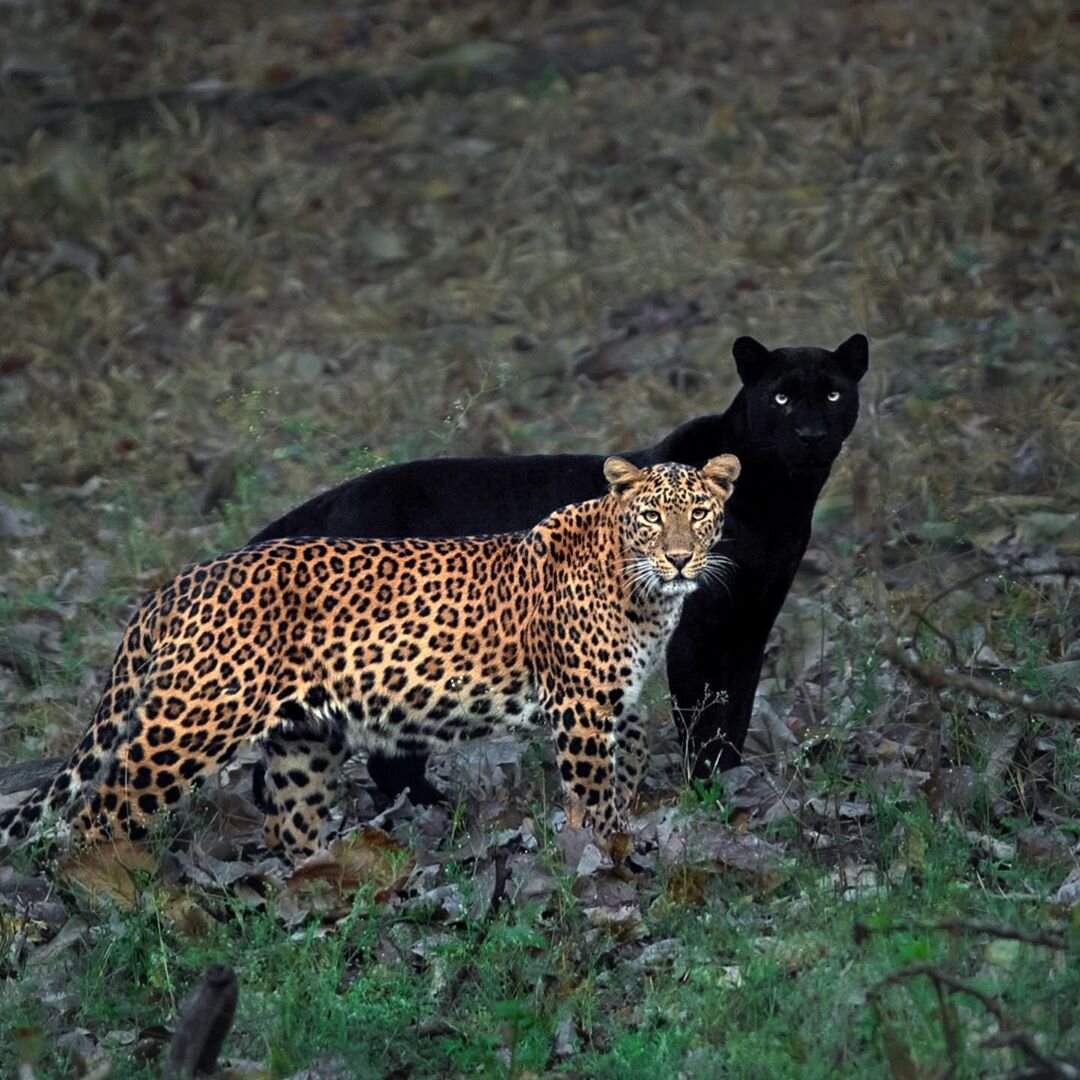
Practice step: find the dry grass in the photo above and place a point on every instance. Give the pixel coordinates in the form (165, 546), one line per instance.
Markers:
(202, 323)
(318, 296)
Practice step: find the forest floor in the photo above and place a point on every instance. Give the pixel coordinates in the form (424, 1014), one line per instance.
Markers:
(209, 313)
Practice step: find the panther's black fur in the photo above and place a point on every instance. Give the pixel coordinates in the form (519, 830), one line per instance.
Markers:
(785, 430)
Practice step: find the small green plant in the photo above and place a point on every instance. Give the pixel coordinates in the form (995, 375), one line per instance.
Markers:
(710, 794)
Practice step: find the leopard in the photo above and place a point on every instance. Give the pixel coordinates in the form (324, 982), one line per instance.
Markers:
(315, 649)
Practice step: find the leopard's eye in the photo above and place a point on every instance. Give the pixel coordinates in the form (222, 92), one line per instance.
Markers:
(651, 516)
(781, 399)
(833, 395)
(699, 513)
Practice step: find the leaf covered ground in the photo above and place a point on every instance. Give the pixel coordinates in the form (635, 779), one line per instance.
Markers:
(204, 320)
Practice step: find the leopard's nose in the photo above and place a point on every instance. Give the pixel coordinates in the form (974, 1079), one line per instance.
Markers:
(678, 559)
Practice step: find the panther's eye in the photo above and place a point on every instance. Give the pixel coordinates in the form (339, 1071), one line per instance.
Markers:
(651, 516)
(699, 513)
(781, 399)
(833, 395)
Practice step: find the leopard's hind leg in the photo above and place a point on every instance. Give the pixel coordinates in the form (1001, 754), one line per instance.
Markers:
(154, 769)
(122, 774)
(172, 736)
(303, 759)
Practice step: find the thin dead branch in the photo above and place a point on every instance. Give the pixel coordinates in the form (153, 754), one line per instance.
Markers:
(936, 678)
(347, 94)
(929, 675)
(1007, 1035)
(1065, 567)
(963, 926)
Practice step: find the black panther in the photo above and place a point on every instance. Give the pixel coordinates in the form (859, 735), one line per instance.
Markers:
(786, 425)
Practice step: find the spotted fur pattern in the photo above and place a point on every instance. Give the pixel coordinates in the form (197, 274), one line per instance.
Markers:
(316, 648)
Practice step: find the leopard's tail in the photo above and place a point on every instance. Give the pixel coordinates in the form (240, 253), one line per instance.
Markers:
(25, 822)
(47, 811)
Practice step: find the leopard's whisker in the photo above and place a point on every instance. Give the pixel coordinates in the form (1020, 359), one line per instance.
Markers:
(720, 560)
(718, 571)
(640, 572)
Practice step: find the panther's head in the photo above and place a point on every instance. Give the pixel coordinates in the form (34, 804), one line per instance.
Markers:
(669, 517)
(801, 402)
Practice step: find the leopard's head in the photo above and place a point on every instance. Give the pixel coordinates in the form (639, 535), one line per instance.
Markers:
(669, 517)
(801, 403)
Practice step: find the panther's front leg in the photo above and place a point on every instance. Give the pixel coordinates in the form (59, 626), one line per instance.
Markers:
(584, 748)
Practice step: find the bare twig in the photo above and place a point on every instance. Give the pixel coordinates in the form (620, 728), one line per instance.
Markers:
(948, 1028)
(502, 876)
(1007, 1034)
(205, 1019)
(938, 678)
(1054, 1067)
(346, 93)
(933, 677)
(938, 633)
(963, 926)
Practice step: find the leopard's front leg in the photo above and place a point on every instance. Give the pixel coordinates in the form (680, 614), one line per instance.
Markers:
(631, 749)
(584, 748)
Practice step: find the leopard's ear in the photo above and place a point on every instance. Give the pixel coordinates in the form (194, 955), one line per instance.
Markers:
(722, 472)
(621, 475)
(752, 360)
(853, 357)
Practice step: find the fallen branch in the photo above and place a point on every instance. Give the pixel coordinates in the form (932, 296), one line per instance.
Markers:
(28, 775)
(347, 94)
(205, 1019)
(1044, 568)
(938, 679)
(962, 926)
(935, 678)
(1007, 1035)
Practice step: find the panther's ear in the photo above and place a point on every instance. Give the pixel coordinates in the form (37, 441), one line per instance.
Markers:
(853, 357)
(752, 360)
(722, 472)
(621, 475)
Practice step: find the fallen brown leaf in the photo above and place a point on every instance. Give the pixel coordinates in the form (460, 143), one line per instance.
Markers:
(326, 882)
(111, 871)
